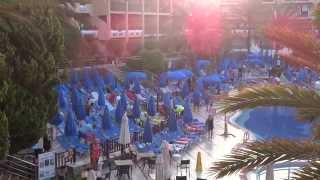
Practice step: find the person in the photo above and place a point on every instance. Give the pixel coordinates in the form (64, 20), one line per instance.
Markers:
(210, 126)
(46, 143)
(92, 175)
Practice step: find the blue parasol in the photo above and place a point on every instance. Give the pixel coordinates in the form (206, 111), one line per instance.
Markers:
(166, 100)
(123, 101)
(213, 79)
(196, 97)
(162, 80)
(119, 112)
(186, 72)
(199, 85)
(187, 114)
(131, 76)
(136, 109)
(172, 122)
(147, 133)
(101, 97)
(151, 106)
(185, 89)
(176, 75)
(80, 106)
(110, 80)
(57, 119)
(70, 125)
(62, 101)
(74, 98)
(137, 88)
(106, 119)
(87, 80)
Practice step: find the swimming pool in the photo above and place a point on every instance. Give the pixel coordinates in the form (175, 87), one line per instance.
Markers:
(274, 122)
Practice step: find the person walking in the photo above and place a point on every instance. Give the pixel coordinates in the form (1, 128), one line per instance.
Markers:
(210, 126)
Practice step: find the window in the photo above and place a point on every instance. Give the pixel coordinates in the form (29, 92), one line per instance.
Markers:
(303, 11)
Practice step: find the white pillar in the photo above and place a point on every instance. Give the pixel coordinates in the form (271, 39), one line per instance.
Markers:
(127, 26)
(143, 23)
(269, 172)
(158, 19)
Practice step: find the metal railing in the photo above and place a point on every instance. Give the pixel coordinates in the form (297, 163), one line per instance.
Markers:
(18, 167)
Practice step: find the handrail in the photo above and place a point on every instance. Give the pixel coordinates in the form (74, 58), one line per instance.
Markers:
(21, 160)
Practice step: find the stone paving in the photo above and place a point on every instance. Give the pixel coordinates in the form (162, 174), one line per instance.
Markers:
(211, 149)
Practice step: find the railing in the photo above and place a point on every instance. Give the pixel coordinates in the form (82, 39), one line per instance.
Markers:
(64, 158)
(18, 167)
(111, 146)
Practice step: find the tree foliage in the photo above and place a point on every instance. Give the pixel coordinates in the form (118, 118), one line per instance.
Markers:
(304, 47)
(151, 60)
(31, 37)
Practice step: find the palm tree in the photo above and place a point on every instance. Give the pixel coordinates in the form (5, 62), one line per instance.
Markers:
(262, 153)
(307, 102)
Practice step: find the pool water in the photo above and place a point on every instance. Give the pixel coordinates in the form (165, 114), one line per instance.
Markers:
(274, 122)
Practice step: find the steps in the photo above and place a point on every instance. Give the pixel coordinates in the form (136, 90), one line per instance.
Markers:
(18, 168)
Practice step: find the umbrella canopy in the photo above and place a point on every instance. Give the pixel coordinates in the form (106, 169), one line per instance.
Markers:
(79, 105)
(176, 76)
(106, 119)
(62, 99)
(110, 80)
(101, 98)
(187, 114)
(214, 78)
(199, 84)
(185, 89)
(123, 101)
(74, 98)
(196, 97)
(124, 137)
(87, 80)
(186, 72)
(151, 106)
(172, 122)
(119, 112)
(202, 64)
(136, 109)
(166, 100)
(136, 76)
(147, 133)
(137, 88)
(162, 80)
(70, 125)
(57, 120)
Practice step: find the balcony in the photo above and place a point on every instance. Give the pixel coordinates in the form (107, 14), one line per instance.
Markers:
(83, 8)
(123, 33)
(93, 33)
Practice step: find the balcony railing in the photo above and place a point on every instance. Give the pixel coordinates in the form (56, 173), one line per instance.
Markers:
(83, 8)
(123, 33)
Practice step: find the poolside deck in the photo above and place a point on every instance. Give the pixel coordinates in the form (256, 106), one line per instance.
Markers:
(211, 150)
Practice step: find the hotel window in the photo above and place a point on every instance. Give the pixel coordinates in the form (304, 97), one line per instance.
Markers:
(304, 11)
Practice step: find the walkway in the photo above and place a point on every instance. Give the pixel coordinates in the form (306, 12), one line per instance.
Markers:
(211, 150)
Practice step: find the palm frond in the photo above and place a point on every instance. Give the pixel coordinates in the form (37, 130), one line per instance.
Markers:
(310, 172)
(305, 100)
(259, 154)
